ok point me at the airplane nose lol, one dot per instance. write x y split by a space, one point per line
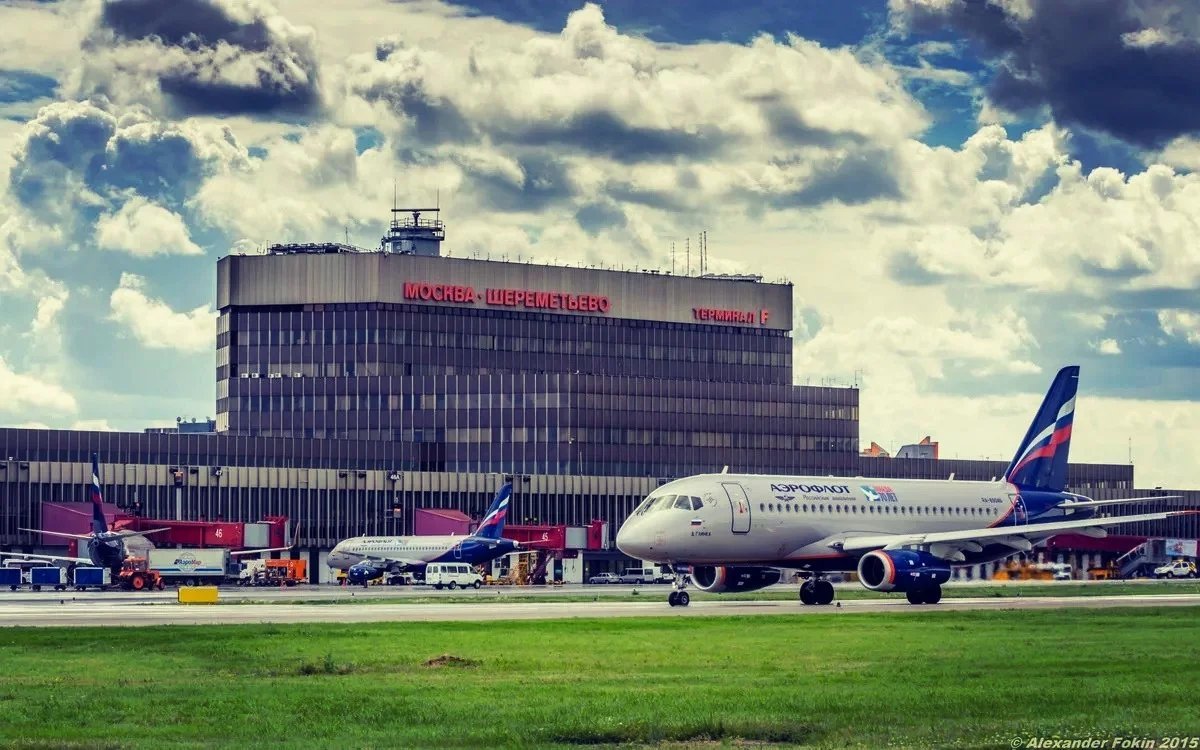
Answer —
635 540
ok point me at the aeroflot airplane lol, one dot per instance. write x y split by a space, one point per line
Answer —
365 558
737 531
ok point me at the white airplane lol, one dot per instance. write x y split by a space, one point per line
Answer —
365 558
737 532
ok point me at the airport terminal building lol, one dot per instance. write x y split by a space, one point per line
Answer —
354 387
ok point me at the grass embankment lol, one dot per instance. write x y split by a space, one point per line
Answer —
969 679
517 594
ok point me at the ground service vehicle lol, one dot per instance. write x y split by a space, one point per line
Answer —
10 577
452 575
192 567
605 578
136 575
639 575
1177 569
284 572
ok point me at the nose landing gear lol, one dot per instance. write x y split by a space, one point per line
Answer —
816 591
678 597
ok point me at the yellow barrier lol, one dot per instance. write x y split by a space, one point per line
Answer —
197 594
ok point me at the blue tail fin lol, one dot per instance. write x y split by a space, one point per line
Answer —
1041 461
99 525
493 523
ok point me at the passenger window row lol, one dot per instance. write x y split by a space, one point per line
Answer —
903 510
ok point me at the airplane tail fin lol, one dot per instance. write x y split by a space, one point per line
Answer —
1041 461
493 523
99 525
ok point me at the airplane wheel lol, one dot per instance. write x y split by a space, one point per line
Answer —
933 595
915 596
823 592
673 599
807 593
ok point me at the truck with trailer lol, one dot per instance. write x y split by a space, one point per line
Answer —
281 572
194 567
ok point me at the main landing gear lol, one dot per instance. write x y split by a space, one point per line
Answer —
930 595
816 591
678 597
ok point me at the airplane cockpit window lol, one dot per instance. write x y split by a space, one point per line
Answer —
684 502
661 502
697 504
644 506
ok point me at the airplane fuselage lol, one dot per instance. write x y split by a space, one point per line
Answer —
795 521
422 549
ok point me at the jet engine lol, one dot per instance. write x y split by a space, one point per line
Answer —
720 579
363 572
901 570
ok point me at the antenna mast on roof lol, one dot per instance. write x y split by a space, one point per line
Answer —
687 245
672 258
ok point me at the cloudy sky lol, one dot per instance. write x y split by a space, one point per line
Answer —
967 194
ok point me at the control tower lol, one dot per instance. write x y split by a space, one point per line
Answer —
410 234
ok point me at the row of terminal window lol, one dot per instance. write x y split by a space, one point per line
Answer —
916 510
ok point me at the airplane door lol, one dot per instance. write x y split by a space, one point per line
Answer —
1020 514
739 506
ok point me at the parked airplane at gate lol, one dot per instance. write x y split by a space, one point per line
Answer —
737 531
106 548
365 558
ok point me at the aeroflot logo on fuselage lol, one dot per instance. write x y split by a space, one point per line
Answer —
832 489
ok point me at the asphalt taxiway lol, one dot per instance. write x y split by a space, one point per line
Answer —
64 611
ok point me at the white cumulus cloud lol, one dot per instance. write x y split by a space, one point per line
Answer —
155 324
26 393
144 229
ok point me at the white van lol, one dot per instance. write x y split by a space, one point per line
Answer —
452 575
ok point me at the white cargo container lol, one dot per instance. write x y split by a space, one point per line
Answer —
191 567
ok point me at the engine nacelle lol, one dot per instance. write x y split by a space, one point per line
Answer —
901 570
363 572
720 579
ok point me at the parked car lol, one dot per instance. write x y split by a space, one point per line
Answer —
605 578
1177 569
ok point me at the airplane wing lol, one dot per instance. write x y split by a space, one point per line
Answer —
130 532
1096 503
1019 537
257 551
48 558
399 562
59 533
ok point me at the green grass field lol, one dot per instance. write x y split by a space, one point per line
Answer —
960 679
